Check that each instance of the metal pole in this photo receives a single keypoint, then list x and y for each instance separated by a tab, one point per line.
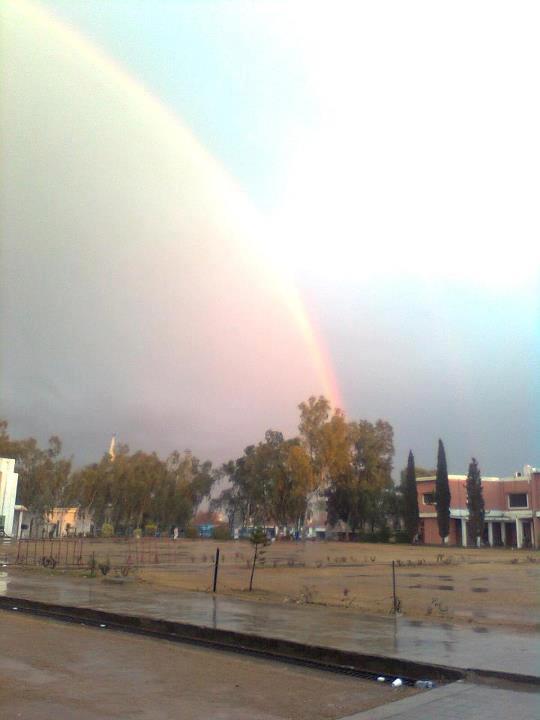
253	569
394	586
216	566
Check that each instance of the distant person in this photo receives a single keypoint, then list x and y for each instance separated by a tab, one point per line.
175	533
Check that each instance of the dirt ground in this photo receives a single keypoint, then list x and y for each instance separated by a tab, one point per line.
497	587
487	586
55	670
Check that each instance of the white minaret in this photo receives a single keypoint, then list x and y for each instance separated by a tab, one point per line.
112	448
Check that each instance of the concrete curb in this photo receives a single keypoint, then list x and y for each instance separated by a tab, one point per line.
271	648
320	657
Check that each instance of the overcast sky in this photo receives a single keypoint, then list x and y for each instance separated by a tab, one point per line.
212	210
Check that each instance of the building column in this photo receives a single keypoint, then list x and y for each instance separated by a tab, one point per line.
463	532
519	533
490	534
503	533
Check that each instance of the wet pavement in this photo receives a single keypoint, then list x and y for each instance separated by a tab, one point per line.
59	671
444	644
458	701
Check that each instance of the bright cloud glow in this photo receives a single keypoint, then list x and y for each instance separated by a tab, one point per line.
423	157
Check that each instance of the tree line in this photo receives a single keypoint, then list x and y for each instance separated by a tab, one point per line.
333	464
475	497
133	491
342	466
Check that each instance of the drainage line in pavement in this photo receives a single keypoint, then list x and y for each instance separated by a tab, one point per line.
215	645
322	658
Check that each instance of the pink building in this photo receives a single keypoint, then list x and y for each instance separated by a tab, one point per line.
512	507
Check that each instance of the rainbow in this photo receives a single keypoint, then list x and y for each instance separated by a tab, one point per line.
167	124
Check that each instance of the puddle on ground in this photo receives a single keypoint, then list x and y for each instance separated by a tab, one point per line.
480	590
431	587
360	575
480	630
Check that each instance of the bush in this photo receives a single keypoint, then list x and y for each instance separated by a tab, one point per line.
384	535
401	537
192	532
150	529
137	533
259	537
105	567
107	530
368	537
221	533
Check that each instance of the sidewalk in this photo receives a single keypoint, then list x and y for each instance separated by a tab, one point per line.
441	644
457	701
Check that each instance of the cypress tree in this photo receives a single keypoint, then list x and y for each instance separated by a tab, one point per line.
411	514
442	494
475	502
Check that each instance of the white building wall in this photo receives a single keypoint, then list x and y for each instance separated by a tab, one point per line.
8	492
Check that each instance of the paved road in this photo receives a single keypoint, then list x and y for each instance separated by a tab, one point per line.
482	648
460	701
54	671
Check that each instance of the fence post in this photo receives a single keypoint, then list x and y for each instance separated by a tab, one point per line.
394	604
253	569
216	566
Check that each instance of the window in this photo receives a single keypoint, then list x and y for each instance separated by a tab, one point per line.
518	500
429	498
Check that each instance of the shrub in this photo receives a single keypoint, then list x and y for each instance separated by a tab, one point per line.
137	533
369	537
191	532
92	565
105	567
150	529
384	534
107	530
401	537
221	533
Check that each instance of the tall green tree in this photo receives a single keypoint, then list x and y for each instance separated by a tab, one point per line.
359	477
269	483
411	514
442	494
475	502
139	489
43	473
314	416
